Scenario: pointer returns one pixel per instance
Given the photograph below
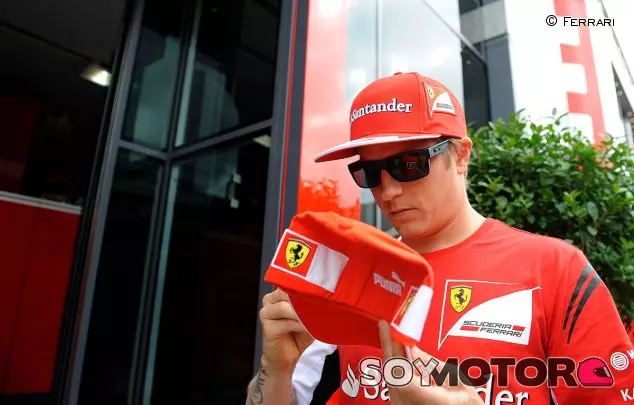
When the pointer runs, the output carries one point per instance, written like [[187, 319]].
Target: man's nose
[[390, 188]]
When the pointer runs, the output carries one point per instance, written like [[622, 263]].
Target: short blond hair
[[455, 147]]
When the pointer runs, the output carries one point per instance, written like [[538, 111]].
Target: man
[[502, 297]]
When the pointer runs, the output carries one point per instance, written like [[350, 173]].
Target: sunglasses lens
[[367, 175], [405, 167], [408, 167]]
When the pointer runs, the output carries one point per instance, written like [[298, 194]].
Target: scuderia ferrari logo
[[460, 297], [296, 253], [491, 310], [439, 100]]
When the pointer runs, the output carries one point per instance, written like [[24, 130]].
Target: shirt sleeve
[[317, 374], [587, 329]]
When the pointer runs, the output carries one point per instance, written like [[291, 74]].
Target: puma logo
[[396, 278], [395, 286]]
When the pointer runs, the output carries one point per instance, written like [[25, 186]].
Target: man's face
[[423, 207]]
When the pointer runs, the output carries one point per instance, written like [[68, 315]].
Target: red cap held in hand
[[343, 276]]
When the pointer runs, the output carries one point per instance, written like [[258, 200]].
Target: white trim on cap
[[346, 150], [412, 322], [326, 266]]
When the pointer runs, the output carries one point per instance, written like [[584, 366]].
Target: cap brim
[[333, 322], [350, 148]]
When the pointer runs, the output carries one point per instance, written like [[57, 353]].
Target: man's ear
[[463, 153]]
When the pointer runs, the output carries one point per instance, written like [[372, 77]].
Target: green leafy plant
[[551, 180]]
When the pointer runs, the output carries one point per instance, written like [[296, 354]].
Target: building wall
[[622, 45], [566, 67]]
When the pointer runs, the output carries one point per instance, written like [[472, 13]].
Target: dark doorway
[[206, 332]]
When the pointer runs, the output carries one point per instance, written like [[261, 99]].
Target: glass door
[[203, 328]]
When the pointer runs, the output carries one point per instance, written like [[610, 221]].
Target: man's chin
[[410, 230]]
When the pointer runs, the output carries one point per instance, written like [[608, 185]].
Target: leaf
[[593, 211], [591, 230], [501, 201]]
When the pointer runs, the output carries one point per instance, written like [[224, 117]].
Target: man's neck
[[455, 231]]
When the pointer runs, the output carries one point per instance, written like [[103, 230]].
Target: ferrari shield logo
[[460, 297], [430, 91], [296, 253]]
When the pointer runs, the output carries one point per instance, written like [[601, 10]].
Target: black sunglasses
[[404, 167]]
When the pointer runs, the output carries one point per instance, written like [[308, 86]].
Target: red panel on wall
[[17, 225], [38, 245], [589, 103], [326, 186], [41, 307]]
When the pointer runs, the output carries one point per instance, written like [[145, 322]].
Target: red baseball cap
[[402, 107], [343, 276]]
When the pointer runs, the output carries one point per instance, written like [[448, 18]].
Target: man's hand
[[284, 337], [415, 393]]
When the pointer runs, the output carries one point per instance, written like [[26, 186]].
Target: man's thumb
[[303, 340]]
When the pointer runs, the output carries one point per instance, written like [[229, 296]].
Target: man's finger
[[388, 352], [279, 310], [284, 327], [397, 349], [386, 340], [276, 296]]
